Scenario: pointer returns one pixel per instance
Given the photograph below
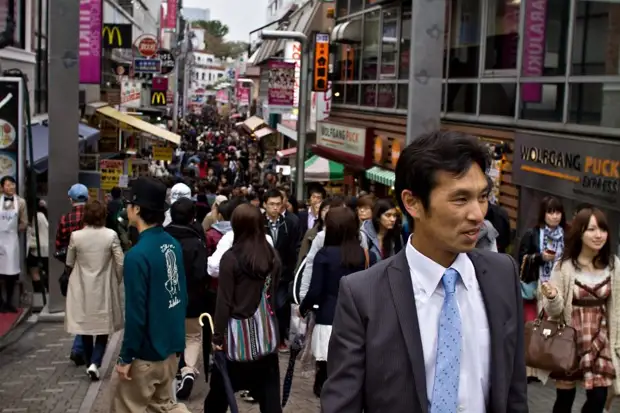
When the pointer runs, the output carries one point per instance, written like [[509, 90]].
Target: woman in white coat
[[95, 258]]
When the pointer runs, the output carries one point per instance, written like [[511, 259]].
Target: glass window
[[548, 106], [403, 96], [464, 38], [389, 41], [337, 93], [502, 34], [596, 40], [370, 52], [369, 95], [405, 43], [544, 37], [341, 7], [352, 94], [355, 5], [386, 96], [462, 97], [595, 104], [498, 99]]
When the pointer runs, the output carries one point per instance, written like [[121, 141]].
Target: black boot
[[319, 377]]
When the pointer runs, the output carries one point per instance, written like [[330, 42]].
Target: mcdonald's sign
[[158, 98], [116, 36]]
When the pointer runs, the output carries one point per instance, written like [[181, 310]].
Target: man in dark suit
[[309, 217], [438, 328]]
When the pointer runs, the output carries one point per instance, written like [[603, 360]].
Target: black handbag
[[530, 270], [64, 282]]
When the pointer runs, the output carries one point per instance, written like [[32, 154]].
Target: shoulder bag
[[253, 338], [551, 345]]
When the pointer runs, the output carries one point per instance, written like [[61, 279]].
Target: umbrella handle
[[202, 324]]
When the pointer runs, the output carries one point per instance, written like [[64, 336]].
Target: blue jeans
[[98, 351]]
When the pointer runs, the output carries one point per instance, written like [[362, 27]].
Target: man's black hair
[[317, 189], [273, 193], [151, 217], [7, 178], [449, 151], [116, 192], [183, 211]]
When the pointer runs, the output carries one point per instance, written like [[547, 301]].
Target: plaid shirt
[[68, 223]]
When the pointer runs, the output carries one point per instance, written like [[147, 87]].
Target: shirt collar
[[427, 274]]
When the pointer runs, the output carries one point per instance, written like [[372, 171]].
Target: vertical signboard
[[12, 145], [90, 30], [321, 62], [534, 40], [292, 54], [281, 87], [171, 14]]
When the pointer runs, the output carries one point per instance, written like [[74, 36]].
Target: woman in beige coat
[[95, 259], [584, 292]]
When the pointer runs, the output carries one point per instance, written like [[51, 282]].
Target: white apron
[[9, 238]]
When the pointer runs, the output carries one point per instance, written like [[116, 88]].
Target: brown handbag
[[551, 345]]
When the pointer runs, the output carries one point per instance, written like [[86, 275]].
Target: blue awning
[[40, 140]]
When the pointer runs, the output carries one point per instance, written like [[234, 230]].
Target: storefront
[[575, 169], [349, 145]]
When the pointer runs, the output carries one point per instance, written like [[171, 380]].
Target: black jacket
[[286, 242], [499, 218], [530, 244], [193, 243]]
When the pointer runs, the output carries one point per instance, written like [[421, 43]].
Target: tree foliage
[[215, 31]]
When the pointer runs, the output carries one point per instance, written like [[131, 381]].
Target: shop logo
[[147, 45], [158, 99], [116, 36]]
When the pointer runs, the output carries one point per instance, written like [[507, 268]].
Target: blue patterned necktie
[[448, 359]]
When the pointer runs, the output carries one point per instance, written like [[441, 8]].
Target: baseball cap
[[78, 193]]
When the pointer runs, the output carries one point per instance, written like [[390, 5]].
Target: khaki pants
[[193, 345], [150, 388]]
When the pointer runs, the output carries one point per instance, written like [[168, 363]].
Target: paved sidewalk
[[36, 375]]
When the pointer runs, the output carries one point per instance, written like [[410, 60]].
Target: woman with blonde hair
[[95, 262]]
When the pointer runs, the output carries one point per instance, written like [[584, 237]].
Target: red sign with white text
[[171, 14]]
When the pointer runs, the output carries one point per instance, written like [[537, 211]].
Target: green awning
[[382, 176]]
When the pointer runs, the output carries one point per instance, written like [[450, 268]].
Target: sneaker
[[283, 348], [185, 388], [77, 358], [245, 396], [93, 372]]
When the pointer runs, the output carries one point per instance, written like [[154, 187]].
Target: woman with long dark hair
[[249, 273], [381, 234], [340, 256], [583, 292]]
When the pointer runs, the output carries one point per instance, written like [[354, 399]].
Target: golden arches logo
[[158, 98], [111, 31]]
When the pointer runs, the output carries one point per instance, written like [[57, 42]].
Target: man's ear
[[412, 204]]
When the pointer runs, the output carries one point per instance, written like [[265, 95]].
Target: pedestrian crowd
[[407, 303]]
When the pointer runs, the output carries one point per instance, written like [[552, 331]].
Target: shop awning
[[318, 169], [253, 123], [261, 133], [287, 152], [139, 124], [382, 176], [40, 141]]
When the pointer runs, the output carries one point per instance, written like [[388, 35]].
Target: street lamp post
[[302, 118]]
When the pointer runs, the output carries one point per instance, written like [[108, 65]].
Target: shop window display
[[548, 108], [462, 97], [502, 37], [498, 99], [405, 43], [464, 38], [355, 5], [370, 46], [386, 96], [369, 95], [342, 7], [389, 40]]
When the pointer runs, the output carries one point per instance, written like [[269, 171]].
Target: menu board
[[111, 171], [10, 128]]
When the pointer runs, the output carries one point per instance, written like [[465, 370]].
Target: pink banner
[[91, 14], [222, 96], [281, 90], [171, 15], [243, 96], [534, 48]]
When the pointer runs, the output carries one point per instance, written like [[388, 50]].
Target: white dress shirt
[[223, 245], [474, 380]]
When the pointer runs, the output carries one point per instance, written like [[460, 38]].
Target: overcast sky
[[241, 16]]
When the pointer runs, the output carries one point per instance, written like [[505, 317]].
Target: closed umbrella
[[219, 360], [300, 343]]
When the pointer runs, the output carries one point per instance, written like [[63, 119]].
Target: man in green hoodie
[[155, 306]]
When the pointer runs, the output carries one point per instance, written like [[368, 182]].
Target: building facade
[[522, 75], [193, 14], [206, 71]]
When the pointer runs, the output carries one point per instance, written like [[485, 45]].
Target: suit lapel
[[495, 308], [402, 293]]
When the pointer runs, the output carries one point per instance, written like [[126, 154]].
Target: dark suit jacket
[[375, 351]]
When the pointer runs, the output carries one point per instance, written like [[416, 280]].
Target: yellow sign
[[111, 31], [158, 99], [321, 62], [162, 153], [111, 172], [93, 194]]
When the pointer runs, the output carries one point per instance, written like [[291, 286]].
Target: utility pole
[[304, 97], [64, 119], [425, 67], [175, 86]]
